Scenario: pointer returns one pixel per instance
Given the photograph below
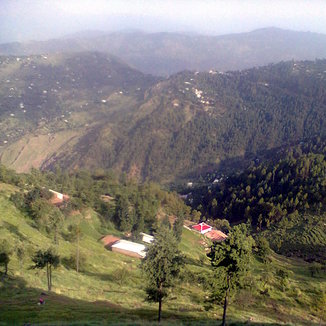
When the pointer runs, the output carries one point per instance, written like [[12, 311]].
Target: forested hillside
[[125, 204], [48, 103], [46, 90], [285, 197], [193, 122], [165, 131]]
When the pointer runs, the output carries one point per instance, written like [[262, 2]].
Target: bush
[[121, 275], [71, 262], [263, 248]]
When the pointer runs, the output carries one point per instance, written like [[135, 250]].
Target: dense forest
[[193, 122], [121, 203], [285, 196]]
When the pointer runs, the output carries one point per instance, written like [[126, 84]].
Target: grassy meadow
[[109, 289]]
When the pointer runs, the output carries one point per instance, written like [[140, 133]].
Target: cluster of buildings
[[134, 249], [138, 250]]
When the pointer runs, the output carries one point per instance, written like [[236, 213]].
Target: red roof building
[[216, 235], [202, 228], [109, 240]]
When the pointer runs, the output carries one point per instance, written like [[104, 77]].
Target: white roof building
[[56, 194], [147, 238], [129, 248]]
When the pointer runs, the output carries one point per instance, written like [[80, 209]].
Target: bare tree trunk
[[77, 254], [56, 234], [6, 268], [224, 309], [226, 301], [159, 309], [48, 276]]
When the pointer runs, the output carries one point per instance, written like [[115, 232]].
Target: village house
[[202, 228], [147, 238], [109, 240], [207, 230], [106, 198], [129, 248], [216, 235], [58, 198]]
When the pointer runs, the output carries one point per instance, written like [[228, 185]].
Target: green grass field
[[109, 289]]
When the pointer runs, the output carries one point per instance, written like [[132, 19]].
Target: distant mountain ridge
[[167, 53]]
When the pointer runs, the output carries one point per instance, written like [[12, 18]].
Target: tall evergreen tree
[[161, 266], [5, 252], [231, 261], [122, 215], [178, 225], [75, 234]]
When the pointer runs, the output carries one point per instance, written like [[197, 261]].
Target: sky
[[25, 20]]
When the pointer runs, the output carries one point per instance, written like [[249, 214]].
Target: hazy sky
[[43, 19]]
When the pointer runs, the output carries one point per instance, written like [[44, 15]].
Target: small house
[[216, 235], [202, 228], [129, 248], [106, 198], [58, 198], [109, 240], [147, 238]]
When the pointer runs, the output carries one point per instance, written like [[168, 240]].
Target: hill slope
[[192, 122], [284, 196], [189, 123], [49, 102], [168, 53], [97, 294]]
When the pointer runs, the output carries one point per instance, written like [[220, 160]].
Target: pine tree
[[231, 261], [5, 252], [161, 266], [178, 225], [122, 215]]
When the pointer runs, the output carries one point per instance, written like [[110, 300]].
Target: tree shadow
[[19, 306], [100, 276], [14, 229], [191, 261]]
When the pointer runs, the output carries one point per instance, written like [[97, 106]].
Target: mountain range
[[164, 54]]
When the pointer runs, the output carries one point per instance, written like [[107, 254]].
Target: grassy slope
[[101, 294]]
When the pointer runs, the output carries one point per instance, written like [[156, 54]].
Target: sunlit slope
[[89, 110], [109, 289]]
